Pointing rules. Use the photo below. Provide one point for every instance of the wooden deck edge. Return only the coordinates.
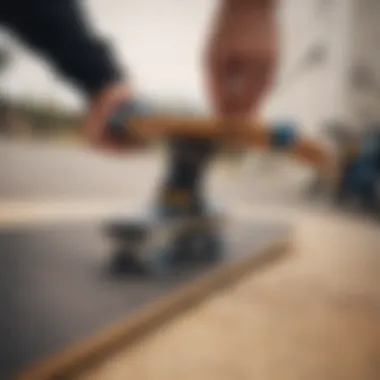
(77, 359)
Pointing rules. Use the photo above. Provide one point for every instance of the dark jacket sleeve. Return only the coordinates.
(59, 31)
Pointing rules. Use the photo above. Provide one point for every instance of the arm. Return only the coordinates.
(246, 23)
(59, 31)
(241, 54)
(245, 13)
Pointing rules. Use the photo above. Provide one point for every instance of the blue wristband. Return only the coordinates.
(283, 136)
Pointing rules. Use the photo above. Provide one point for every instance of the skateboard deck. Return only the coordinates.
(63, 307)
(238, 132)
(247, 133)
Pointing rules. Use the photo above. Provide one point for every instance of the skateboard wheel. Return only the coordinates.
(160, 261)
(124, 261)
(213, 247)
(206, 248)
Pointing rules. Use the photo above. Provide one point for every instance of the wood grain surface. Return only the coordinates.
(124, 308)
(316, 316)
(237, 132)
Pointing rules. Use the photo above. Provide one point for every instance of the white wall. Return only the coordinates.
(363, 104)
(318, 93)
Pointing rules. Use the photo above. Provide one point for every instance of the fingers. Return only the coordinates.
(96, 125)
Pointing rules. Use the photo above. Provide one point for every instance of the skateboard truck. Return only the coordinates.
(180, 229)
(164, 236)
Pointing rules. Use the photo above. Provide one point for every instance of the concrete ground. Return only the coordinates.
(313, 316)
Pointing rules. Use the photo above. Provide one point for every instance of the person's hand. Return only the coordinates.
(241, 56)
(110, 110)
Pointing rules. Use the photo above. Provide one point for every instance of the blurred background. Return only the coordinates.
(322, 48)
(327, 76)
(317, 315)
